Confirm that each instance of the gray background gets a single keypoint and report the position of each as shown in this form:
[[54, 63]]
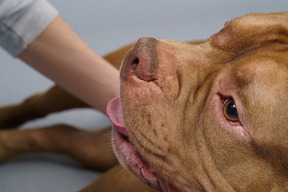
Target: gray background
[[105, 25]]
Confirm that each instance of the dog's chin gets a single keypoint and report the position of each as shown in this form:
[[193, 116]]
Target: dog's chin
[[130, 159], [127, 153]]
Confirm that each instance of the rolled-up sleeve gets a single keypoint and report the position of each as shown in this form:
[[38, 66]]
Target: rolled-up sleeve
[[22, 21]]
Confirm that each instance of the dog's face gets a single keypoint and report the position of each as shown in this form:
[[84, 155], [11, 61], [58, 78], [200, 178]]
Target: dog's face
[[210, 116]]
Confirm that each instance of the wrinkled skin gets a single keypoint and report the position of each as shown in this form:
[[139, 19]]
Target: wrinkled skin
[[172, 96]]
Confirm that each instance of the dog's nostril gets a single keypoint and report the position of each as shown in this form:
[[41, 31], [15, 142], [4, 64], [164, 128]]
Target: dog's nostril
[[142, 61], [135, 63]]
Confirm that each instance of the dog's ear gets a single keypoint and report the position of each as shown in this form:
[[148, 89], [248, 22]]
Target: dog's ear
[[251, 31]]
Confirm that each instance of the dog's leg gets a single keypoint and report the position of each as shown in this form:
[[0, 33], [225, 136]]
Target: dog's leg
[[39, 105], [118, 179], [93, 149]]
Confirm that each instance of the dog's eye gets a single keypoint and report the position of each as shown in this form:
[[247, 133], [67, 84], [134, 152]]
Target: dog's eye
[[230, 110]]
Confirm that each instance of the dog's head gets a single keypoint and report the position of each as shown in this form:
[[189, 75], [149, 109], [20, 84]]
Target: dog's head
[[208, 116]]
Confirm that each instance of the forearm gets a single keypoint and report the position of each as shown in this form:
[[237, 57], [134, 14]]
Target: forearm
[[61, 55]]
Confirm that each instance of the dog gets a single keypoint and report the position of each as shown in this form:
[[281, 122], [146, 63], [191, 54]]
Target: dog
[[191, 117]]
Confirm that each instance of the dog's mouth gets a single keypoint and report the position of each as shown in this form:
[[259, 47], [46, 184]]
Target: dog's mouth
[[128, 155]]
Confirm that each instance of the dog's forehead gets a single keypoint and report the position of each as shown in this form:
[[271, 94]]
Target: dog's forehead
[[251, 31], [261, 70]]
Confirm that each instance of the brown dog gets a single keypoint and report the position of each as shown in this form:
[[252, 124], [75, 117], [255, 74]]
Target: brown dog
[[208, 116]]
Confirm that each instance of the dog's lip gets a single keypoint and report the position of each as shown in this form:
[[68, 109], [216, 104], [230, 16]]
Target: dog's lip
[[114, 111], [127, 153], [129, 158], [122, 145]]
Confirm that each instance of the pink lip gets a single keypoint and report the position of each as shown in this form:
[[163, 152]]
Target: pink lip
[[127, 153], [130, 159]]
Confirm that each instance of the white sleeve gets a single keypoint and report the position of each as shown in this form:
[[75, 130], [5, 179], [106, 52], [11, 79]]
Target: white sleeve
[[22, 21]]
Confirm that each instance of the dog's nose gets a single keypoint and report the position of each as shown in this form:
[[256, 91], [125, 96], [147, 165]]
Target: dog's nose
[[142, 60]]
